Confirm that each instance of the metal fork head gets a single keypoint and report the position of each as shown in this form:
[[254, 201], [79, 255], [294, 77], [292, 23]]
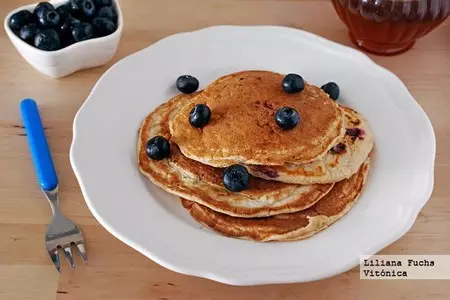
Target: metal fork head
[[62, 233]]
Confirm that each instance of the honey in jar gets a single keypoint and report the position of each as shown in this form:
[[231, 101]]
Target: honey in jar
[[390, 26]]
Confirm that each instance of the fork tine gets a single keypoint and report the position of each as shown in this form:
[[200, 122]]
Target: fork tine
[[82, 251], [55, 258], [68, 253]]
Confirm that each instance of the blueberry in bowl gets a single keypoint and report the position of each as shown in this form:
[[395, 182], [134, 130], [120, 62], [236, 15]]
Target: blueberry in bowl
[[103, 26], [79, 37], [64, 10], [29, 32], [82, 31], [49, 19], [107, 12], [41, 8], [100, 3], [47, 40], [83, 9], [67, 26], [20, 19]]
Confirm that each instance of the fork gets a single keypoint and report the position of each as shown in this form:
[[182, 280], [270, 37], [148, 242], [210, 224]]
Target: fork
[[61, 232]]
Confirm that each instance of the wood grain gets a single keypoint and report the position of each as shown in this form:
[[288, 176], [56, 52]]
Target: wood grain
[[117, 272]]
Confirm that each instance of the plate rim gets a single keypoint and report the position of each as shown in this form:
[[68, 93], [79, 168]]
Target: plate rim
[[246, 280]]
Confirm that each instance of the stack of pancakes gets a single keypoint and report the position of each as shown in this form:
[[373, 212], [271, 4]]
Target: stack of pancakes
[[303, 179]]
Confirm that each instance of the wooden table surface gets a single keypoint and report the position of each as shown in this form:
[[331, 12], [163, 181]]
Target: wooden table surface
[[116, 271]]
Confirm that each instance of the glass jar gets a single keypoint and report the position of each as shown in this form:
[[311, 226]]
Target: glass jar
[[390, 26]]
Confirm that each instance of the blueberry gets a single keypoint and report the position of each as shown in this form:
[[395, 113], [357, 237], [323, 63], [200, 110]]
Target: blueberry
[[82, 9], [103, 26], [158, 148], [49, 19], [355, 133], [28, 32], [64, 11], [88, 9], [287, 118], [48, 40], [338, 149], [75, 7], [66, 41], [236, 178], [100, 3], [187, 84], [199, 115], [107, 12], [68, 25], [41, 8], [20, 19], [293, 83], [332, 89], [82, 32]]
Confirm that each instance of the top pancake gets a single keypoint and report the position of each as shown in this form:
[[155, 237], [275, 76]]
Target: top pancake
[[242, 128]]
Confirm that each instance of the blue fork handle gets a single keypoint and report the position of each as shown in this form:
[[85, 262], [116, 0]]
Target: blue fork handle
[[37, 141]]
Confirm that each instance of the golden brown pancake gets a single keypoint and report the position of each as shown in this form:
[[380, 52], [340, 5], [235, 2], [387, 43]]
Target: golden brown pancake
[[287, 227], [341, 162], [243, 130], [201, 183]]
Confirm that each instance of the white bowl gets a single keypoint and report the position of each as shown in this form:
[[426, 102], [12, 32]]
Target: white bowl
[[60, 63]]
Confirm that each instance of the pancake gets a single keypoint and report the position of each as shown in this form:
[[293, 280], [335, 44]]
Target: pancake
[[243, 130], [287, 227], [341, 162], [202, 184]]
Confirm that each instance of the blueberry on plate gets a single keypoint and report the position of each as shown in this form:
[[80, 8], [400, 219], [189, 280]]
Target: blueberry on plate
[[19, 19], [68, 25], [158, 148], [64, 11], [103, 26], [82, 9], [28, 33], [49, 19], [332, 89], [100, 3], [187, 84], [47, 40], [107, 12], [287, 118], [293, 83], [41, 8], [236, 178], [199, 115], [82, 32]]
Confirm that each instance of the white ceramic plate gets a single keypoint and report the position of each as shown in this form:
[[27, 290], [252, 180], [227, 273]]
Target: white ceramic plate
[[103, 155]]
